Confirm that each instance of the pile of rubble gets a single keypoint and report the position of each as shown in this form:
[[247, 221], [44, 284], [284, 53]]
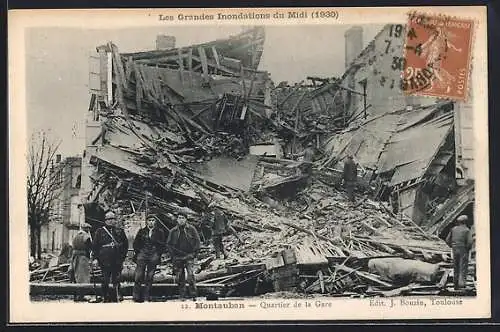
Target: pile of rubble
[[329, 246], [178, 139]]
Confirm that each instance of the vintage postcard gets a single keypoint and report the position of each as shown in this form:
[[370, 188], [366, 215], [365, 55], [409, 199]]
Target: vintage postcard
[[248, 164]]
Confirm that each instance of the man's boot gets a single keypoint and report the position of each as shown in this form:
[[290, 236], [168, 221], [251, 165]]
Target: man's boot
[[107, 298], [193, 292], [137, 293], [116, 294], [182, 292], [147, 292]]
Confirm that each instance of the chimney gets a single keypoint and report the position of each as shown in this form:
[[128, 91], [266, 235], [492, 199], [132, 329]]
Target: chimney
[[165, 42], [353, 44], [58, 158]]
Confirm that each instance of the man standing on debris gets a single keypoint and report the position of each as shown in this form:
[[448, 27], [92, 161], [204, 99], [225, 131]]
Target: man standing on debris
[[308, 159], [110, 249], [350, 176], [206, 227], [220, 227], [460, 240], [183, 244], [80, 260], [149, 244]]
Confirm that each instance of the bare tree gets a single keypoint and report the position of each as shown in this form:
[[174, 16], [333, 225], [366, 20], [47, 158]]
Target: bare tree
[[44, 185]]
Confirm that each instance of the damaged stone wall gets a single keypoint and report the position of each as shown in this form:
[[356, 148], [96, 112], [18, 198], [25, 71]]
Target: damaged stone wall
[[380, 64]]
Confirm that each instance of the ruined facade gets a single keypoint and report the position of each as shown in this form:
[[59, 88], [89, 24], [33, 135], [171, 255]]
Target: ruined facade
[[439, 155], [66, 215]]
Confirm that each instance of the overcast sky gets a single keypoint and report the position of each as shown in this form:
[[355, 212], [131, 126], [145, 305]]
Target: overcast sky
[[57, 65]]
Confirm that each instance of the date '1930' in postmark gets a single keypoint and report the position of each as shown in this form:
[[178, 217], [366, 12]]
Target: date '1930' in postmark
[[437, 56]]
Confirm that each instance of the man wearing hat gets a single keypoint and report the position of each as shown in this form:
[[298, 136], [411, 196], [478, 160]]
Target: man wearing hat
[[80, 259], [183, 244], [350, 176], [308, 158], [149, 244], [221, 226], [110, 249], [460, 241]]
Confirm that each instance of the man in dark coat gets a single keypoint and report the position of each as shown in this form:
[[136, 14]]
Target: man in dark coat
[[110, 249], [460, 241], [220, 227], [80, 260], [149, 244], [350, 177], [183, 244], [308, 158], [206, 227]]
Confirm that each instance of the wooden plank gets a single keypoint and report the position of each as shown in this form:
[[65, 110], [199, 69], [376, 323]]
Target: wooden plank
[[366, 275], [129, 68], [212, 64], [324, 238], [204, 62], [321, 281], [203, 110], [368, 226], [181, 65], [296, 125], [216, 56], [138, 88], [190, 66], [383, 220]]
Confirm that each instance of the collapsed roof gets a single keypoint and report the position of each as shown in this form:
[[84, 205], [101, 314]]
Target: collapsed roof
[[400, 144]]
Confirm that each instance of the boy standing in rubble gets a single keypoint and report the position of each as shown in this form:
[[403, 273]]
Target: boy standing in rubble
[[110, 249], [149, 244], [350, 176], [220, 227], [183, 244], [460, 241]]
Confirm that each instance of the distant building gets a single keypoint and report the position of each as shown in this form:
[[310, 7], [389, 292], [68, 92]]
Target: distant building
[[65, 215]]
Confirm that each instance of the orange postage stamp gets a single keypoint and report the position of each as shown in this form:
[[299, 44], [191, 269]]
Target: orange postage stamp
[[437, 56]]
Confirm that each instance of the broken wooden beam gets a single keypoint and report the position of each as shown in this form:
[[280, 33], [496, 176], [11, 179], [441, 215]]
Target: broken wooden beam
[[204, 62], [366, 275], [309, 232]]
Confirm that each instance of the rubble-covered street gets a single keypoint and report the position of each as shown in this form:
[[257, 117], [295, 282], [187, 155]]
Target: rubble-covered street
[[184, 130]]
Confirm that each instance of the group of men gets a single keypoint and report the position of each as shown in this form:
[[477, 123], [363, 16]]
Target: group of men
[[109, 246]]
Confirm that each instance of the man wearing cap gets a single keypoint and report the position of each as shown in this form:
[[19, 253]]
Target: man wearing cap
[[206, 226], [308, 158], [183, 244], [460, 241], [80, 259], [110, 249], [220, 227], [350, 176], [149, 244]]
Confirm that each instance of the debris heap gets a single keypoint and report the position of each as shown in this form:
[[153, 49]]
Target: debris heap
[[178, 138]]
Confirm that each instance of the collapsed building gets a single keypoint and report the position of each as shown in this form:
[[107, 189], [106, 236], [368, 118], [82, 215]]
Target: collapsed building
[[417, 151], [174, 130]]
